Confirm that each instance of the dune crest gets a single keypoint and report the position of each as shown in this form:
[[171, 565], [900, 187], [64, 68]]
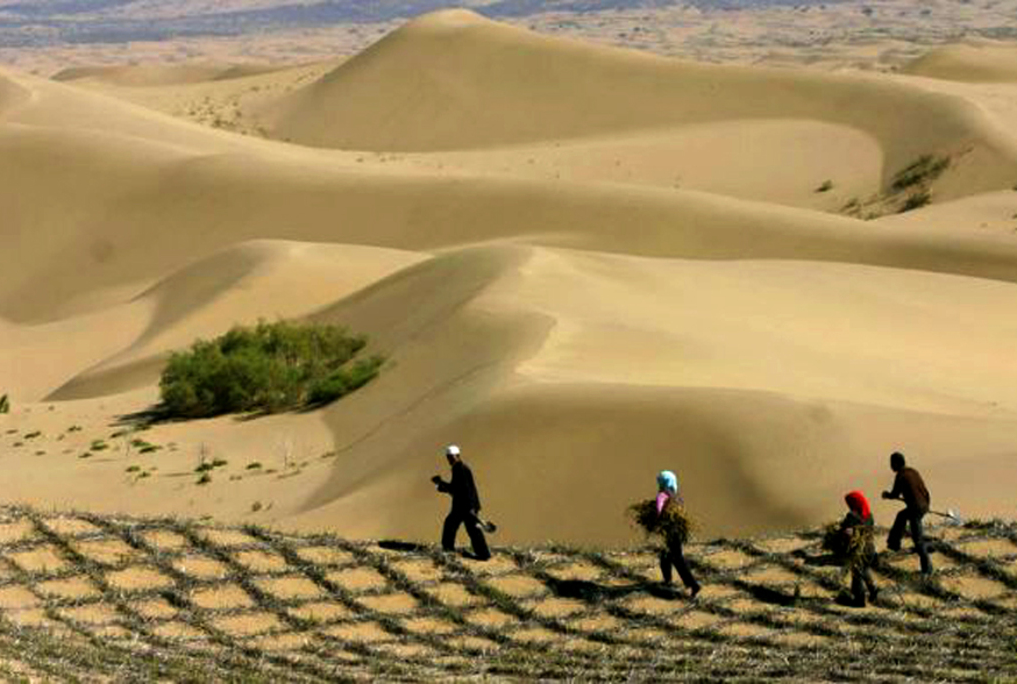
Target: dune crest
[[458, 81], [967, 63]]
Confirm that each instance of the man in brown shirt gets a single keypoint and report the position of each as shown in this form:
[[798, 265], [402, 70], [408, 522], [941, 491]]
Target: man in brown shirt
[[909, 487]]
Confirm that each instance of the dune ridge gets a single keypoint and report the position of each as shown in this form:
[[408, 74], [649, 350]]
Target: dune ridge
[[967, 63], [549, 88], [503, 221]]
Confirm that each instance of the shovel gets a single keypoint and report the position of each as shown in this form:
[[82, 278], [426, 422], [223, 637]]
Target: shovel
[[485, 525], [951, 515]]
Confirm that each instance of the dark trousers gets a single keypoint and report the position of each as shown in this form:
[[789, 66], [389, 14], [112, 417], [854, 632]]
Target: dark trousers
[[913, 519], [452, 523], [673, 555], [861, 580]]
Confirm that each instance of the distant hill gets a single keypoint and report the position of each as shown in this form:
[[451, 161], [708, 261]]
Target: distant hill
[[47, 22]]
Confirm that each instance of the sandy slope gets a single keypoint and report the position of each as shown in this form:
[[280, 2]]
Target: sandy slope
[[159, 75], [584, 264], [474, 83], [969, 63]]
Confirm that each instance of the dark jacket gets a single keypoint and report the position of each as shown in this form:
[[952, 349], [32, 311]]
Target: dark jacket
[[464, 492], [909, 486]]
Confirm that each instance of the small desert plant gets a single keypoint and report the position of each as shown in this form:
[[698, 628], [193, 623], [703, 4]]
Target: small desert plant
[[925, 169], [204, 479], [825, 186], [253, 465], [98, 445], [269, 367], [915, 200], [5, 404]]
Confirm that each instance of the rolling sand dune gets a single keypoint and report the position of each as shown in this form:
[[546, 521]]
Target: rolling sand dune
[[452, 80], [583, 264], [152, 75], [969, 63]]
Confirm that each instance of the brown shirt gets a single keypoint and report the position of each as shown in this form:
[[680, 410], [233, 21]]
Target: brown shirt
[[909, 486]]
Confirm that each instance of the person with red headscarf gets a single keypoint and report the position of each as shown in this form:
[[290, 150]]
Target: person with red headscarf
[[860, 515]]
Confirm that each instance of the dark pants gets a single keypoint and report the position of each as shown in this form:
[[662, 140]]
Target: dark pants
[[452, 523], [861, 580], [673, 555], [913, 519]]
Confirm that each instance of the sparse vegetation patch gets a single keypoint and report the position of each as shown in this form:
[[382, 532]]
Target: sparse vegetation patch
[[916, 200], [923, 170], [267, 368]]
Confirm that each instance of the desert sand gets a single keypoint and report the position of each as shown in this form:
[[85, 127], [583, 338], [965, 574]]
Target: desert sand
[[584, 263]]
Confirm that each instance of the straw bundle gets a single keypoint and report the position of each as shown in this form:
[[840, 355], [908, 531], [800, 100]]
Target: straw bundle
[[673, 524], [851, 546]]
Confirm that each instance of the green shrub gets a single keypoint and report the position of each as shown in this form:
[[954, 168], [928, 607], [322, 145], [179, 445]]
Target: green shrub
[[825, 186], [268, 368], [344, 380], [5, 404]]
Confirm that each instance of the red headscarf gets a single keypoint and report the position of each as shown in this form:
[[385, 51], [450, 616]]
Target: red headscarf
[[857, 502]]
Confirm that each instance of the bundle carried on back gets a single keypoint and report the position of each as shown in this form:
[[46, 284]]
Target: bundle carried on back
[[852, 546], [672, 524]]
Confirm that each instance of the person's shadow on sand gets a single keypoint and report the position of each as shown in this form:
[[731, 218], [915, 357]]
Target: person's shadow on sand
[[413, 547], [591, 592]]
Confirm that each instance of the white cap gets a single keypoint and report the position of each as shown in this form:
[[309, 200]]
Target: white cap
[[452, 450]]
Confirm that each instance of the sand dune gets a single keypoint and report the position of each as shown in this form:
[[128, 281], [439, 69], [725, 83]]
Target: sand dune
[[257, 280], [584, 264], [159, 75], [453, 80], [746, 394], [969, 63]]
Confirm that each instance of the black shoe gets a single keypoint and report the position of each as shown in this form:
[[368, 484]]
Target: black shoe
[[873, 595], [694, 592], [850, 601]]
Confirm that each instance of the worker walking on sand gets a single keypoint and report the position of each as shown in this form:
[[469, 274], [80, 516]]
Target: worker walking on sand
[[908, 486], [859, 551], [465, 506], [672, 554]]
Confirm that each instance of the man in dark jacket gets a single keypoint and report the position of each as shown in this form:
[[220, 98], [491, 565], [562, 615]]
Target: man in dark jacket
[[465, 506], [909, 487]]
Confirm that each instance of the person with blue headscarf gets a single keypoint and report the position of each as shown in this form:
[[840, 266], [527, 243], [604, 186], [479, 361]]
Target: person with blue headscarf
[[672, 554]]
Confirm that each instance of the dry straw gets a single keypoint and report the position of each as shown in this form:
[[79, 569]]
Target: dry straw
[[851, 546], [673, 524]]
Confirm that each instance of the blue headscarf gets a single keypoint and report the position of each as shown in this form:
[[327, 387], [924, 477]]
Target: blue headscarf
[[666, 480]]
